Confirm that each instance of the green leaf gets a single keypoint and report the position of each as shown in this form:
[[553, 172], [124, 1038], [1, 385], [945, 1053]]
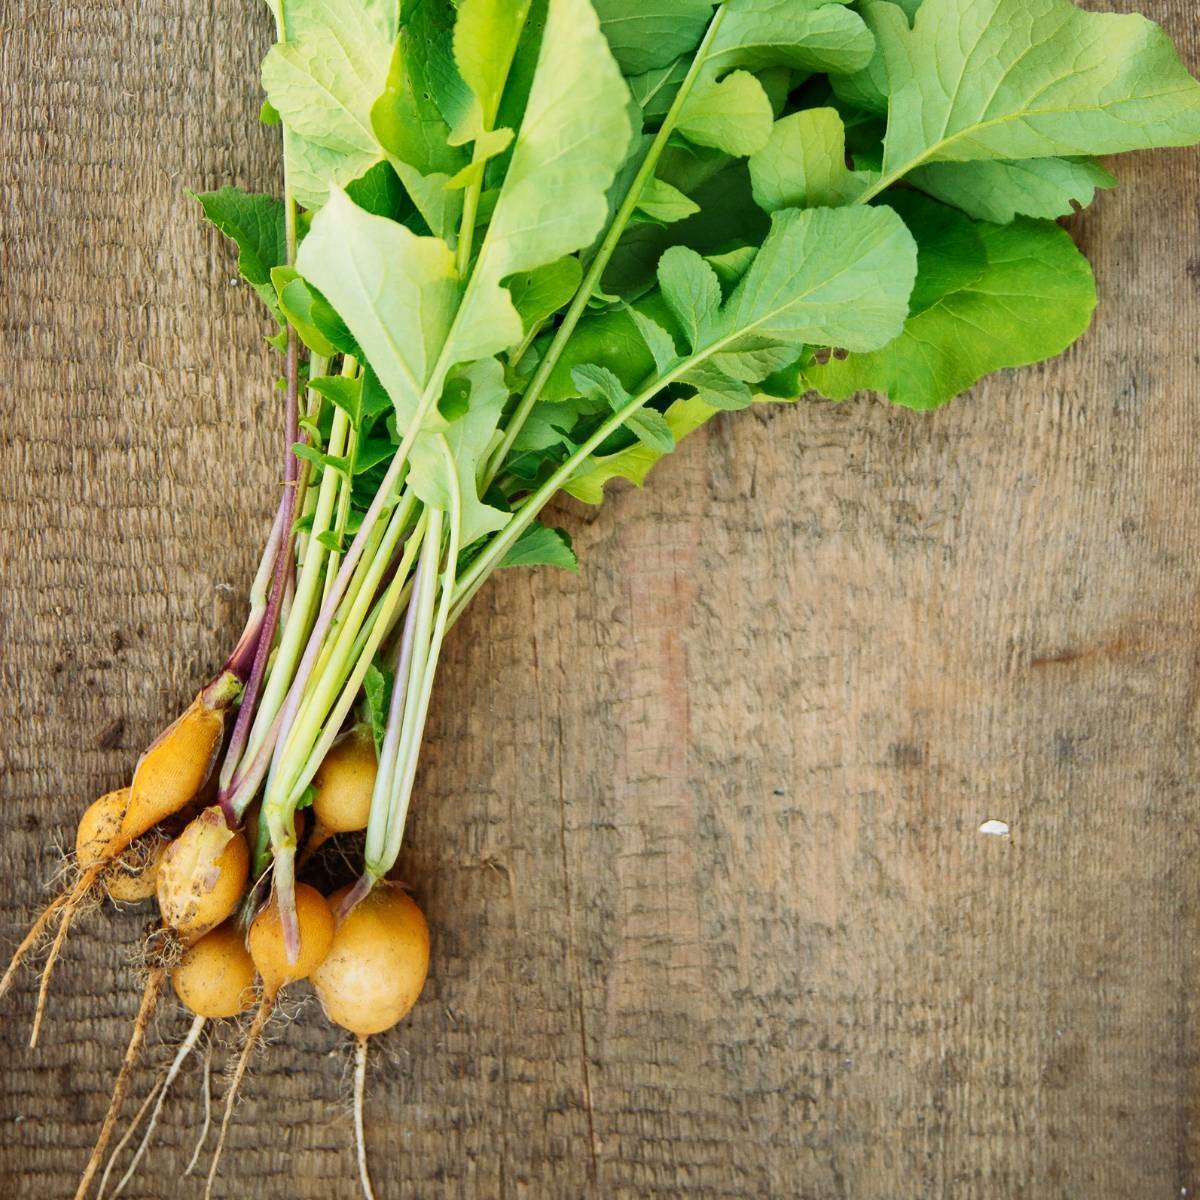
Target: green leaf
[[651, 429], [485, 39], [647, 425], [409, 124], [468, 439], [654, 91], [539, 294], [540, 546], [377, 689], [634, 463], [427, 29], [1001, 191], [375, 400], [553, 423], [718, 390], [1014, 79], [692, 292], [950, 251], [255, 224], [658, 341], [573, 139], [827, 277], [322, 81], [396, 291], [609, 339], [380, 192], [808, 35], [803, 164], [665, 204], [728, 217], [310, 454], [733, 115], [1035, 297], [310, 314], [343, 391], [648, 34], [371, 452], [867, 88]]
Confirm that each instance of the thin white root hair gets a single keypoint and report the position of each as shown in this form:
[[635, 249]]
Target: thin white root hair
[[207, 1111], [187, 1046], [137, 1120], [253, 1034], [360, 1140]]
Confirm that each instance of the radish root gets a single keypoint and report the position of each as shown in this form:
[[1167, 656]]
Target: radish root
[[360, 1140], [252, 1035], [77, 895], [125, 1137], [31, 939], [186, 1047], [153, 989], [207, 1111]]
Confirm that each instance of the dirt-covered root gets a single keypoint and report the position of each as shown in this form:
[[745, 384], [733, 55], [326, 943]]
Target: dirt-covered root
[[150, 995], [37, 931], [360, 1138], [253, 1034], [76, 898], [161, 1088]]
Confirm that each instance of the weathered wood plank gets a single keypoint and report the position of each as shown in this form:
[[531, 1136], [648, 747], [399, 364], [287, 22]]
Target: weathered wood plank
[[697, 830]]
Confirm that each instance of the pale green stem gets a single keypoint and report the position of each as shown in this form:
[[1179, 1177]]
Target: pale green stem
[[414, 731], [390, 603], [314, 709], [345, 491]]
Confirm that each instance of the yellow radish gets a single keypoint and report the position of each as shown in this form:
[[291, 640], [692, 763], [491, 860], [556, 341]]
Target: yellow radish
[[99, 828], [315, 920], [371, 978], [134, 876], [377, 964], [215, 976], [202, 875], [166, 779], [344, 785], [174, 768]]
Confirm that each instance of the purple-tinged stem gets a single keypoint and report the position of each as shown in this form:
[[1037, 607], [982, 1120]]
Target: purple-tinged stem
[[241, 728], [244, 661], [285, 522], [283, 874], [359, 892]]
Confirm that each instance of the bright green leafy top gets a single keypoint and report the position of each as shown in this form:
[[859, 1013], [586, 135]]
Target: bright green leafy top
[[560, 234]]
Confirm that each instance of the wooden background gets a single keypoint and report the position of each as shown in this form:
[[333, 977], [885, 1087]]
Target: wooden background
[[697, 831]]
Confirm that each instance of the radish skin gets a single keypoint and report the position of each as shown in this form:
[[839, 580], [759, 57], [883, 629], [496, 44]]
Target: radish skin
[[215, 977], [376, 966], [202, 876]]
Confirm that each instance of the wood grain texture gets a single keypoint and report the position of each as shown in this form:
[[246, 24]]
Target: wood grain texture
[[697, 831]]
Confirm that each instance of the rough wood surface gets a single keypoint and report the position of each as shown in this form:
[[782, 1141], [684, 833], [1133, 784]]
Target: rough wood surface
[[697, 830]]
